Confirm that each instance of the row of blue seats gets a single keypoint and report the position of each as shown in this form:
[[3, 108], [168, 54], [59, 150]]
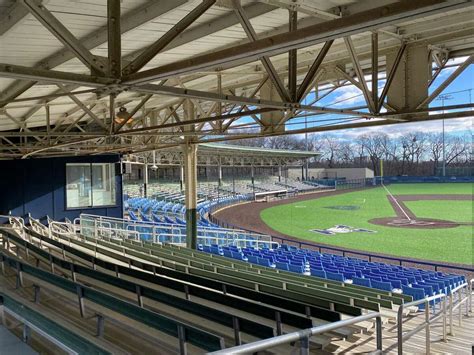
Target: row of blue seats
[[415, 282]]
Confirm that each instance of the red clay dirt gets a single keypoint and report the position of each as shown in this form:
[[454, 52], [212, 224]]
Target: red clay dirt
[[407, 219]]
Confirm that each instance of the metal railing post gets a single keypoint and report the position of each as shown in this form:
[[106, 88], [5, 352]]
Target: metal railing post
[[304, 349], [444, 320], [427, 320], [378, 329], [400, 329], [451, 332]]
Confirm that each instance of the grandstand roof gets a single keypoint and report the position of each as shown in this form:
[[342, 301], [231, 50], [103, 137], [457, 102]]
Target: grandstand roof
[[66, 67], [226, 155], [238, 149]]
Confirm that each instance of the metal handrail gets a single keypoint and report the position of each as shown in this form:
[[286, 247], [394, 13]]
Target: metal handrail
[[425, 325], [88, 217], [461, 300], [304, 336], [471, 287], [370, 256], [178, 238], [27, 325]]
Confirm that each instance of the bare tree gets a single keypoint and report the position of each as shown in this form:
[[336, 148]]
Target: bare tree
[[435, 149], [330, 149], [456, 149], [373, 144], [346, 154]]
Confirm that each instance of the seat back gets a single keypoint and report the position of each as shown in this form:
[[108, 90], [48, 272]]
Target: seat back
[[318, 273], [381, 285], [334, 276], [361, 281], [281, 265], [296, 268]]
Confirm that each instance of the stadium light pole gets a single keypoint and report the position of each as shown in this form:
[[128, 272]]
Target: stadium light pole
[[306, 139], [442, 98]]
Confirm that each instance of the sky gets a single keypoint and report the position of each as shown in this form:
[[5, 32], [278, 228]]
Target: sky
[[460, 91]]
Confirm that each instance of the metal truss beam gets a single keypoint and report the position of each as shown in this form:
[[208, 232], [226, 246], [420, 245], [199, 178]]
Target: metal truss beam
[[267, 64], [448, 81], [52, 76], [309, 78], [196, 94], [84, 107], [343, 27], [149, 11], [134, 112], [114, 39], [371, 123], [301, 7], [12, 17], [149, 53], [292, 57], [391, 75], [375, 70], [360, 74], [46, 18]]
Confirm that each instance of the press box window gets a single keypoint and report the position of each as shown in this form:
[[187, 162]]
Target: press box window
[[90, 185]]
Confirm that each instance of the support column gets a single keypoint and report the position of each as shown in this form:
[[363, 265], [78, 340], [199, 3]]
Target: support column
[[219, 174], [190, 179], [410, 81], [279, 173], [181, 177], [145, 180], [271, 120]]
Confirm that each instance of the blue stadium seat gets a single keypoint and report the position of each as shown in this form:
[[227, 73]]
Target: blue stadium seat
[[238, 256], [395, 283], [381, 285], [281, 265], [335, 276], [296, 268], [349, 274], [265, 262], [416, 293], [318, 273], [361, 281], [253, 259], [215, 250]]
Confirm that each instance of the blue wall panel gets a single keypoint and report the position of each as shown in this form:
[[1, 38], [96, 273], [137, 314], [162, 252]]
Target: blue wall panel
[[38, 186]]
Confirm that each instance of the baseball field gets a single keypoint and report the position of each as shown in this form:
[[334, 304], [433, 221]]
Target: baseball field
[[423, 221]]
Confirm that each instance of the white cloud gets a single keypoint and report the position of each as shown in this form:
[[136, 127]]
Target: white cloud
[[346, 96], [452, 126]]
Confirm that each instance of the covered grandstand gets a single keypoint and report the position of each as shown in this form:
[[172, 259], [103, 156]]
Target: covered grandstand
[[118, 130]]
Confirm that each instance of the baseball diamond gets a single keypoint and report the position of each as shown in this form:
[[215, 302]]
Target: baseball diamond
[[432, 210]]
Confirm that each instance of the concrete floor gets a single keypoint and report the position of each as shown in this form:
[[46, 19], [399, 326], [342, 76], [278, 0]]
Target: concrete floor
[[11, 345]]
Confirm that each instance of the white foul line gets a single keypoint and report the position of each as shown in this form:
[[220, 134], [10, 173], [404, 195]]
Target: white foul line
[[395, 200]]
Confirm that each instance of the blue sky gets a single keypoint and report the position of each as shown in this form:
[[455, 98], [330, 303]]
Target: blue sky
[[460, 90]]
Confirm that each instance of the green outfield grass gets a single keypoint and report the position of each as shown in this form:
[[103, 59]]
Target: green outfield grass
[[450, 245], [457, 211]]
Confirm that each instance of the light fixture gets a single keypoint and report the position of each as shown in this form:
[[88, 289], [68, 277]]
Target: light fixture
[[154, 166], [122, 116]]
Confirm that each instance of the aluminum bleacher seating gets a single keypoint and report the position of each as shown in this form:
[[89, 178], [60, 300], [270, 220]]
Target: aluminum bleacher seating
[[391, 278]]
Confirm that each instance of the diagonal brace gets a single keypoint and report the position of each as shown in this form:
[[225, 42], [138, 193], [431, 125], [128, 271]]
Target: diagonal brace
[[46, 18]]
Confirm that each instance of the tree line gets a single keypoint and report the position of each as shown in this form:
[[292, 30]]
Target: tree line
[[413, 153]]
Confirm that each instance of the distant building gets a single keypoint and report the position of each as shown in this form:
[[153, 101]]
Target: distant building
[[332, 173]]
